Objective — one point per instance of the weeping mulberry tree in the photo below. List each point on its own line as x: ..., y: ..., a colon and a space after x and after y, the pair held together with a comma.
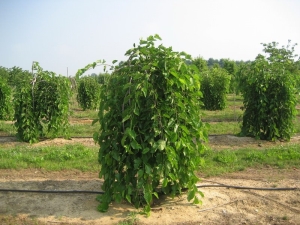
x: 88, y: 93
x: 151, y: 131
x: 269, y: 92
x: 42, y: 106
x: 215, y: 86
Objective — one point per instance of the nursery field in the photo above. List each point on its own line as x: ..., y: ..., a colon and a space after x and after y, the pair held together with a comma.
x: 244, y: 181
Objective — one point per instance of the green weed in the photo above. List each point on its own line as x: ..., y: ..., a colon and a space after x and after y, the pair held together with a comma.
x: 130, y: 220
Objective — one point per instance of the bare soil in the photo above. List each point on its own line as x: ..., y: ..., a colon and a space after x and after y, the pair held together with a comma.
x: 220, y: 205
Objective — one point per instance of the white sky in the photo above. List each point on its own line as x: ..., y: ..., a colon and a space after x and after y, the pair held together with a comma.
x: 72, y: 33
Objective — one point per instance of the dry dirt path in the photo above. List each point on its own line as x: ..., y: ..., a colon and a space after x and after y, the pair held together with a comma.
x: 216, y: 142
x: 220, y: 205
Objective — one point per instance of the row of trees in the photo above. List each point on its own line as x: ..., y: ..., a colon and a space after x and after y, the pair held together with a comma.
x: 211, y: 62
x: 216, y: 83
x: 151, y: 131
x: 14, y: 76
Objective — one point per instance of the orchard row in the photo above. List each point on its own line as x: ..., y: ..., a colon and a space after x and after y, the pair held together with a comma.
x: 151, y: 133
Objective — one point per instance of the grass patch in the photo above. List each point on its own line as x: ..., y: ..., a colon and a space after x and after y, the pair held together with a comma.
x: 224, y: 128
x: 56, y: 158
x: 77, y: 112
x: 228, y: 114
x: 83, y: 114
x: 7, y: 128
x: 52, y: 158
x: 297, y: 125
x: 226, y: 161
x: 233, y: 98
x: 232, y: 112
x: 75, y: 130
x: 83, y: 130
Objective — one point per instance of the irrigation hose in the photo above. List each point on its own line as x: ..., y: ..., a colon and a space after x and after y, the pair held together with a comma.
x: 53, y: 191
x: 13, y: 136
x: 101, y: 192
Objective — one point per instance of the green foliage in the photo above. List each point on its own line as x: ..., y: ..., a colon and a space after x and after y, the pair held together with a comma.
x: 215, y: 84
x: 16, y: 75
x: 102, y: 77
x: 297, y: 64
x: 92, y: 66
x: 27, y: 124
x: 241, y: 76
x: 269, y: 95
x: 42, y: 101
x: 200, y: 63
x: 211, y: 62
x: 231, y: 67
x: 5, y: 100
x: 151, y: 129
x: 88, y: 93
x: 4, y: 75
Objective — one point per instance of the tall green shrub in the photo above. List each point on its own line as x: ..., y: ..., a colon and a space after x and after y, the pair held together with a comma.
x: 42, y: 101
x: 215, y: 85
x: 151, y: 130
x: 270, y: 95
x: 88, y: 93
x: 5, y: 100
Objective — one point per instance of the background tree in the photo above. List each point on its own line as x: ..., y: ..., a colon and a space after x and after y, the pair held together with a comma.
x: 17, y: 75
x: 88, y: 93
x: 200, y: 63
x: 214, y: 86
x: 102, y: 78
x: 41, y: 101
x: 211, y: 62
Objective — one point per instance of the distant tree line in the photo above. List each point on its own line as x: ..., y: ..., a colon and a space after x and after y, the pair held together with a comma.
x: 222, y: 62
x: 101, y: 78
x: 14, y: 76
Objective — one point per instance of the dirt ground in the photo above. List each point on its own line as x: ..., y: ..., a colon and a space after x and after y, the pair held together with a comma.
x: 220, y: 205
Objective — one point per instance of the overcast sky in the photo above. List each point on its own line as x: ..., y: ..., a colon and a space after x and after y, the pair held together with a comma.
x: 72, y: 33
